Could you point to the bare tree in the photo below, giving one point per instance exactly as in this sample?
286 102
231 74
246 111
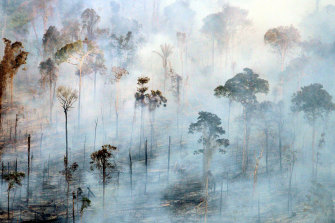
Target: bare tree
66 97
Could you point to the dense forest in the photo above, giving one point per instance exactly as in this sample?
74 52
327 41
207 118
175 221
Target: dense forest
167 111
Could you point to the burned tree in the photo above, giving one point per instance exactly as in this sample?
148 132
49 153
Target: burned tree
12 60
104 160
66 97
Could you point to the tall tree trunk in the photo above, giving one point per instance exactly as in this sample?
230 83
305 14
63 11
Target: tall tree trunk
95 84
8 204
244 142
280 145
229 106
66 140
266 149
73 215
50 100
141 131
131 173
169 152
11 89
146 164
313 145
103 184
28 192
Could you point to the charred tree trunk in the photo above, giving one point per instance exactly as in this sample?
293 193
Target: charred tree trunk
131 173
103 183
66 140
28 192
146 164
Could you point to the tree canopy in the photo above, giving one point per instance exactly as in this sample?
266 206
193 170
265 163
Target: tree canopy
243 87
313 100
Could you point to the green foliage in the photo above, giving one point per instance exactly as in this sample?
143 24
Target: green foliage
48 70
52 41
314 101
209 125
85 203
66 52
225 24
243 87
89 20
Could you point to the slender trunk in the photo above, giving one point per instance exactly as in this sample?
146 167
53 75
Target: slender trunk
11 89
79 95
16 120
95 132
169 152
73 215
8 205
280 145
66 141
116 122
244 142
50 98
141 132
229 106
146 164
289 200
28 169
131 173
67 198
266 150
313 145
95 84
103 184
221 197
213 44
